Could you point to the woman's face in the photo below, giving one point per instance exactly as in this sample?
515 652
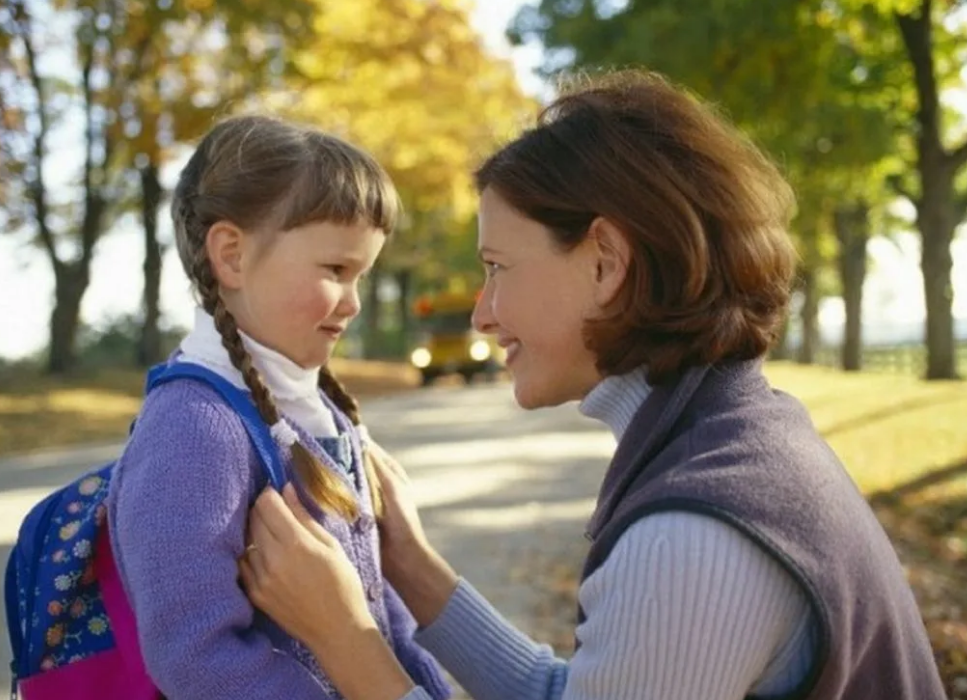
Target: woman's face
535 301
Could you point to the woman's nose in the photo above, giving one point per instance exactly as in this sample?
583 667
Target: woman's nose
483 317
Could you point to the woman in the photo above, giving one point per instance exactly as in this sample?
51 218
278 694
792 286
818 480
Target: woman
638 261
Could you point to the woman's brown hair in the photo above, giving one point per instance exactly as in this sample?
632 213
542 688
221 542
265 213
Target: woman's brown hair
705 214
263 173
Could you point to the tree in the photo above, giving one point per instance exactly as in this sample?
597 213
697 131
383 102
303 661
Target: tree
929 36
852 226
36 103
412 83
139 76
199 58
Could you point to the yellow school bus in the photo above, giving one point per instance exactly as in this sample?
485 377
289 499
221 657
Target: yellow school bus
448 344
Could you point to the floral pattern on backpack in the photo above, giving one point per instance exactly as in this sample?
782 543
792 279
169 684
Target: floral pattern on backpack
69 622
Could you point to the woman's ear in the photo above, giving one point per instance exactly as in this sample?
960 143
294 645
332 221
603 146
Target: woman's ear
612 256
225 245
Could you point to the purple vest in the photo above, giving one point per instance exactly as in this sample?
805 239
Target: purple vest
722 443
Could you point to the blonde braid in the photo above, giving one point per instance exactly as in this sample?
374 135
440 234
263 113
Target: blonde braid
346 403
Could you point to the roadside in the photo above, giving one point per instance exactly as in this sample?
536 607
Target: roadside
39 412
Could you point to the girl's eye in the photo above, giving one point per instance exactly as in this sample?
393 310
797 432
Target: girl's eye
336 270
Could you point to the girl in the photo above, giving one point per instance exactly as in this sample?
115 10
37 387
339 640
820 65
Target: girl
275 225
637 261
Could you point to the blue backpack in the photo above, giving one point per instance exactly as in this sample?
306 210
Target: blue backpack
72 630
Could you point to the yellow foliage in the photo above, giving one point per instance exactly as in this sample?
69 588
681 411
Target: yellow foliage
410 81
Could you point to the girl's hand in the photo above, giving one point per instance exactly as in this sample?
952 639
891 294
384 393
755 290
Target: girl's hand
419 574
298 574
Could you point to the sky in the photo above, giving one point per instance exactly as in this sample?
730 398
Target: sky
893 293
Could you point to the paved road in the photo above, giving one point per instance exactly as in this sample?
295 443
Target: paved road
496 484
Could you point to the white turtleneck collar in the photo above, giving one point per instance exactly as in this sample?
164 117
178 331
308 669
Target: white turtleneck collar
616 399
295 388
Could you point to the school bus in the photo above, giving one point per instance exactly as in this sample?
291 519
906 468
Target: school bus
447 344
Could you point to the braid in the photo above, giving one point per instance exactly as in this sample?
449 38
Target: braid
346 403
328 491
335 390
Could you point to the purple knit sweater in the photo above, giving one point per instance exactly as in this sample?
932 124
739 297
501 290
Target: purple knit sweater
177 510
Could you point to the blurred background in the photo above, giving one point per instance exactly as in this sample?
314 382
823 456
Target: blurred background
863 103
102 101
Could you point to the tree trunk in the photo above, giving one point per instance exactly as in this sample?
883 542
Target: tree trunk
936 221
372 316
149 346
404 277
809 315
852 232
936 207
70 283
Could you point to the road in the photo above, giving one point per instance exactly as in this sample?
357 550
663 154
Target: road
497 486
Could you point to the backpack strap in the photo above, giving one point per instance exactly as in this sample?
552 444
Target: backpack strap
240 401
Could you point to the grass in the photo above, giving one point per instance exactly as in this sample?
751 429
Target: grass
887 429
38 412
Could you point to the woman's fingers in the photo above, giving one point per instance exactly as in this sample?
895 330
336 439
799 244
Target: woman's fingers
273 513
389 464
261 529
291 499
389 473
251 573
284 519
246 571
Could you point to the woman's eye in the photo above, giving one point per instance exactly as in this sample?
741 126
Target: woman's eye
336 270
492 267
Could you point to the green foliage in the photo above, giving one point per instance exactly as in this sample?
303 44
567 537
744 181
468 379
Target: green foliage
113 343
823 87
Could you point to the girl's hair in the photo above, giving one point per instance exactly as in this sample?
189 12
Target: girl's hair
705 214
263 174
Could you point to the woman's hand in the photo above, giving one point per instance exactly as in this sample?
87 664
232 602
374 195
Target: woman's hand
401 533
299 575
419 574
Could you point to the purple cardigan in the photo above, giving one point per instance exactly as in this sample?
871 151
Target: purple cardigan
177 509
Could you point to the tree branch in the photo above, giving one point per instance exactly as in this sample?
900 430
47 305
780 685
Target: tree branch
895 183
88 225
917 34
958 157
960 207
37 188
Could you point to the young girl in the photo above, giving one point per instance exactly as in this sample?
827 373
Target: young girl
275 225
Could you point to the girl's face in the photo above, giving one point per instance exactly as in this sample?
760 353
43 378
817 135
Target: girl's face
296 291
535 301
